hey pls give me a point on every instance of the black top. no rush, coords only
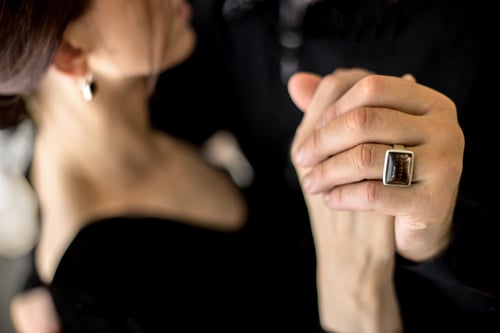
(135, 274)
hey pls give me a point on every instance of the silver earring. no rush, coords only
(88, 87)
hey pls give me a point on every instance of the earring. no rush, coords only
(88, 87)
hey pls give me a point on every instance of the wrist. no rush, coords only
(359, 304)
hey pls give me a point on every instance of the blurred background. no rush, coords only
(18, 214)
(13, 271)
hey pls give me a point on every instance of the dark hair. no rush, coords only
(30, 32)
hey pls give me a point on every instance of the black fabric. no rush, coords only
(135, 274)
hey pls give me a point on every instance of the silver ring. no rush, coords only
(398, 166)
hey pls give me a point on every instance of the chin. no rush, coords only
(184, 47)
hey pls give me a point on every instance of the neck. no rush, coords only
(112, 129)
(117, 103)
(102, 158)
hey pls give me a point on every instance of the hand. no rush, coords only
(33, 311)
(355, 249)
(352, 118)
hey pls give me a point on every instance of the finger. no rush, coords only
(393, 92)
(413, 204)
(328, 91)
(335, 110)
(363, 125)
(364, 162)
(301, 88)
(371, 196)
(422, 228)
(432, 164)
(33, 311)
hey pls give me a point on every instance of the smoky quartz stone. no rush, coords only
(398, 167)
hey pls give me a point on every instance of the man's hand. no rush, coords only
(355, 248)
(351, 118)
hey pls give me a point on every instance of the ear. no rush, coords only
(70, 59)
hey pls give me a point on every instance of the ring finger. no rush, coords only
(362, 162)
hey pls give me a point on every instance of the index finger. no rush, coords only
(394, 93)
(328, 91)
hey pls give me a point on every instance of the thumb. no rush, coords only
(301, 88)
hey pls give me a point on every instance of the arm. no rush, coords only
(355, 249)
(346, 154)
(33, 311)
(446, 242)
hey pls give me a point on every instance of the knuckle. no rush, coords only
(365, 156)
(333, 82)
(361, 120)
(448, 104)
(336, 197)
(330, 113)
(372, 85)
(319, 173)
(371, 192)
(316, 141)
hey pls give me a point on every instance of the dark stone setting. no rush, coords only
(398, 167)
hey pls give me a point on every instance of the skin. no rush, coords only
(33, 311)
(355, 249)
(86, 160)
(343, 147)
(351, 118)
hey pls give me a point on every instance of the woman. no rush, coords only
(138, 233)
(96, 156)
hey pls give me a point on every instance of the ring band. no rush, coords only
(398, 166)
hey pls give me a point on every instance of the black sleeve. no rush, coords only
(467, 272)
(458, 289)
